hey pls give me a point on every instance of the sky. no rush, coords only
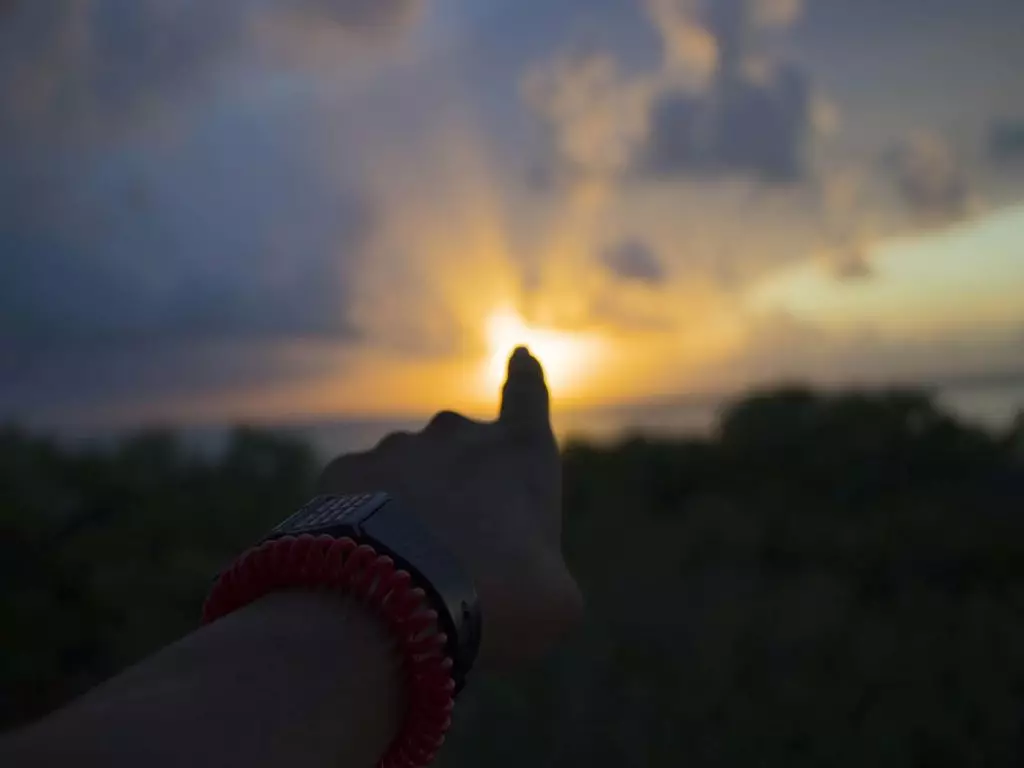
(293, 209)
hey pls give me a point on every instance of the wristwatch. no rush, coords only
(378, 520)
(370, 547)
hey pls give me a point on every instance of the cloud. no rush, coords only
(633, 260)
(930, 179)
(184, 179)
(730, 104)
(81, 69)
(55, 384)
(115, 227)
(776, 13)
(241, 231)
(756, 114)
(847, 260)
(690, 49)
(1006, 141)
(592, 113)
(355, 14)
(718, 101)
(845, 203)
(784, 348)
(749, 125)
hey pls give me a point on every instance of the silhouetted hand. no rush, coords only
(492, 493)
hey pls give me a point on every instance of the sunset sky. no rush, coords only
(274, 209)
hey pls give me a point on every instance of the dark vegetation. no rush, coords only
(829, 580)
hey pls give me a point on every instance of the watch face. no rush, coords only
(331, 511)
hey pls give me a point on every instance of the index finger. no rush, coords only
(525, 402)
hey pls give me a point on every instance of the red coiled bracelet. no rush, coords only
(358, 572)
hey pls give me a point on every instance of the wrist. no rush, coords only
(338, 566)
(347, 655)
(295, 678)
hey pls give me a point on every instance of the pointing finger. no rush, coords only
(525, 404)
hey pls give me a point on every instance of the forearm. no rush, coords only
(297, 679)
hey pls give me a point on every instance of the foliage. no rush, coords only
(827, 580)
(105, 555)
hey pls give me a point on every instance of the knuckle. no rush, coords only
(393, 441)
(446, 423)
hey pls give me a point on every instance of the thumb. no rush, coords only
(525, 405)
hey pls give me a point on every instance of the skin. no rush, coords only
(309, 680)
(490, 491)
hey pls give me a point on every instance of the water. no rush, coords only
(993, 405)
(990, 405)
(597, 425)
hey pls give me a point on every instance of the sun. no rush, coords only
(568, 357)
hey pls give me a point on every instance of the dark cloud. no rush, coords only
(757, 125)
(636, 261)
(1006, 140)
(930, 179)
(129, 209)
(47, 385)
(163, 230)
(72, 67)
(755, 117)
(241, 231)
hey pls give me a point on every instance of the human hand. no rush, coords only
(491, 492)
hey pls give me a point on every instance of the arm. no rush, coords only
(294, 679)
(307, 680)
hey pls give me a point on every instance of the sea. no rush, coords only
(991, 405)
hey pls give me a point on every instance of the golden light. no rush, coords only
(568, 357)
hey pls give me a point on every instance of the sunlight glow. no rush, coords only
(567, 357)
(968, 276)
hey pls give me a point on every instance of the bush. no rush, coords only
(828, 580)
